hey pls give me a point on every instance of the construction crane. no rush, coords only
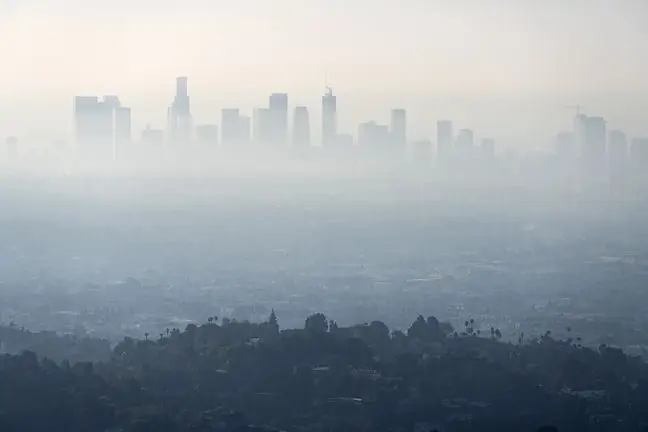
(578, 108)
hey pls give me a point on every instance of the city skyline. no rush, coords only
(503, 66)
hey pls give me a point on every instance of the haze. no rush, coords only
(503, 66)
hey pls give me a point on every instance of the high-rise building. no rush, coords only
(180, 121)
(207, 134)
(97, 123)
(445, 139)
(617, 160)
(230, 126)
(261, 126)
(465, 143)
(121, 126)
(244, 130)
(592, 138)
(639, 161)
(373, 136)
(329, 118)
(301, 127)
(398, 128)
(278, 111)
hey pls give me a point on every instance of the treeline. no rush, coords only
(240, 376)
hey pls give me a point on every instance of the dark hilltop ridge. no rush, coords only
(228, 375)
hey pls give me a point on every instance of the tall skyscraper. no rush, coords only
(617, 160)
(261, 126)
(278, 107)
(301, 127)
(639, 161)
(465, 143)
(121, 126)
(373, 136)
(180, 121)
(445, 140)
(244, 130)
(592, 138)
(100, 124)
(329, 118)
(398, 128)
(230, 126)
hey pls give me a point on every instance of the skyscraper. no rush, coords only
(261, 126)
(96, 124)
(617, 160)
(230, 126)
(398, 128)
(329, 118)
(180, 120)
(592, 138)
(244, 130)
(465, 143)
(445, 139)
(121, 128)
(301, 127)
(278, 107)
(639, 161)
(373, 136)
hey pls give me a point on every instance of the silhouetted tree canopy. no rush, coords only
(243, 376)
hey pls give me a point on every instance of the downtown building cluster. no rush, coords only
(103, 129)
(588, 157)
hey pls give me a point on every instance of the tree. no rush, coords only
(316, 323)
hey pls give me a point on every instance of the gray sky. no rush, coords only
(243, 49)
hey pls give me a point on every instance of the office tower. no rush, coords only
(230, 126)
(421, 151)
(121, 126)
(11, 147)
(639, 161)
(592, 138)
(94, 126)
(153, 138)
(207, 134)
(398, 128)
(261, 126)
(488, 148)
(465, 143)
(180, 120)
(244, 130)
(373, 136)
(617, 160)
(329, 118)
(301, 127)
(445, 139)
(278, 107)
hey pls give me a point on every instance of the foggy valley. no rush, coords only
(323, 216)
